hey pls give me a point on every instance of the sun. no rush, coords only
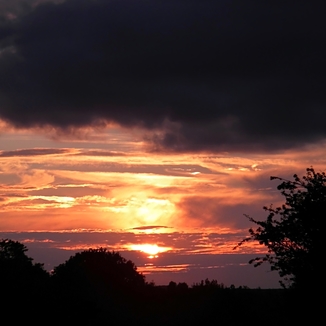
(151, 249)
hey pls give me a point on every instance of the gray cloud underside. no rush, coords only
(196, 75)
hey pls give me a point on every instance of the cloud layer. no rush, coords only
(191, 265)
(193, 75)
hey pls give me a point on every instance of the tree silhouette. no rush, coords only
(95, 286)
(292, 233)
(16, 268)
(99, 270)
(20, 278)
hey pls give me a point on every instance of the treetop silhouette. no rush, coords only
(292, 233)
(99, 270)
(18, 273)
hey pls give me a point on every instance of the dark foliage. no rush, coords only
(17, 270)
(98, 287)
(292, 233)
(99, 280)
(101, 269)
(23, 284)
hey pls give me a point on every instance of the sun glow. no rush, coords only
(151, 249)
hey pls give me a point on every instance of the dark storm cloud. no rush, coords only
(220, 75)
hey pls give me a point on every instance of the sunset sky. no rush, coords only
(151, 127)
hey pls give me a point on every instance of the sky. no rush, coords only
(151, 127)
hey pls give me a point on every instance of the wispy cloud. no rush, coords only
(33, 152)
